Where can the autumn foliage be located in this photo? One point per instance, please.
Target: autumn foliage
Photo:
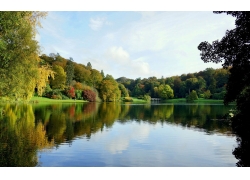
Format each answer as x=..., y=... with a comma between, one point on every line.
x=71, y=92
x=89, y=95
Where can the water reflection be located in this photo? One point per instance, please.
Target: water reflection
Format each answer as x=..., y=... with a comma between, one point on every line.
x=25, y=129
x=20, y=137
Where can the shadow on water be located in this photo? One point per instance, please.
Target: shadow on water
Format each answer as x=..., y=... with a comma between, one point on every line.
x=241, y=127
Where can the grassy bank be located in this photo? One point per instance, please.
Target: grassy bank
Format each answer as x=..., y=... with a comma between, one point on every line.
x=199, y=101
x=48, y=100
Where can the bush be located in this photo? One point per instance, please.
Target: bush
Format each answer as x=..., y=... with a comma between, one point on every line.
x=219, y=95
x=71, y=92
x=147, y=97
x=127, y=99
x=54, y=92
x=56, y=96
x=192, y=96
x=201, y=96
x=65, y=97
x=89, y=95
x=78, y=94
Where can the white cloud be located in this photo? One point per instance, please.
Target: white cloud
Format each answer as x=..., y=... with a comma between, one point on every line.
x=121, y=142
x=98, y=22
x=118, y=54
x=123, y=65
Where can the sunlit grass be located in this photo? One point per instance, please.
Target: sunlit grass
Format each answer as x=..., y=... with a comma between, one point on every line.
x=36, y=99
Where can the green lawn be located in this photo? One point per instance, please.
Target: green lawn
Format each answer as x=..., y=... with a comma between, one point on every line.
x=48, y=100
x=199, y=101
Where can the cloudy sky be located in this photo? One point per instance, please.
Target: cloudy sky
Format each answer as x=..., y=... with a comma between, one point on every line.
x=133, y=43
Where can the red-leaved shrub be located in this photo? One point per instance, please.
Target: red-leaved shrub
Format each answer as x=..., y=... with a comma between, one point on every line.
x=89, y=95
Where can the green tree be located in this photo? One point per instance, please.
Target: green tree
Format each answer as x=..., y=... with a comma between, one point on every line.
x=124, y=91
x=109, y=90
x=95, y=78
x=18, y=54
x=234, y=50
x=207, y=94
x=81, y=73
x=59, y=78
x=165, y=91
x=89, y=66
x=69, y=71
x=192, y=96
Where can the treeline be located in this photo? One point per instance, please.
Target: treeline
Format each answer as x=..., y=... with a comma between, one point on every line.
x=23, y=73
x=208, y=84
x=69, y=79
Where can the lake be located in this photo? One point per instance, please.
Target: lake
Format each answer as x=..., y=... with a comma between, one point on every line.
x=116, y=135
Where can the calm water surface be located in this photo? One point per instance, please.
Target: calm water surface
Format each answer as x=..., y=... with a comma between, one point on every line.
x=113, y=134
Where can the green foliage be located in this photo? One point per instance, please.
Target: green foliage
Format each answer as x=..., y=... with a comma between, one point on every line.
x=124, y=91
x=79, y=94
x=147, y=97
x=60, y=78
x=165, y=91
x=127, y=99
x=69, y=71
x=18, y=54
x=109, y=90
x=219, y=95
x=207, y=94
x=192, y=96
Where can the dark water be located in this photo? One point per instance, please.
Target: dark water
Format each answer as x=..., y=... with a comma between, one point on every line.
x=114, y=134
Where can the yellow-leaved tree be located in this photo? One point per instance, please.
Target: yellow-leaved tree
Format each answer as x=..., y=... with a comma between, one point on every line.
x=18, y=54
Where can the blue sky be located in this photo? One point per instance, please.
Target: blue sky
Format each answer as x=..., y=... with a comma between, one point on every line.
x=130, y=41
x=133, y=44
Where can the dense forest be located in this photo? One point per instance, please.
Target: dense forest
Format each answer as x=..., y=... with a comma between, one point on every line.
x=24, y=73
x=81, y=81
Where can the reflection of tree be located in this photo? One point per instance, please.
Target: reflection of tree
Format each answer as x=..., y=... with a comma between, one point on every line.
x=109, y=112
x=20, y=137
x=63, y=122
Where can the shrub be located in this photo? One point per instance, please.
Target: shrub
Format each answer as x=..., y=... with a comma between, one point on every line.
x=56, y=96
x=89, y=95
x=192, y=96
x=78, y=94
x=54, y=92
x=127, y=99
x=207, y=94
x=71, y=92
x=65, y=97
x=147, y=97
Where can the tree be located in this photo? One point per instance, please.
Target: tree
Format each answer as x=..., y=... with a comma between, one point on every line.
x=102, y=73
x=81, y=73
x=59, y=79
x=95, y=78
x=71, y=92
x=109, y=90
x=44, y=72
x=124, y=91
x=234, y=50
x=192, y=96
x=89, y=66
x=165, y=91
x=207, y=94
x=18, y=53
x=69, y=71
x=89, y=95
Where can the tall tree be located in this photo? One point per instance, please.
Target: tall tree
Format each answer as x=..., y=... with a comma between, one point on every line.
x=59, y=78
x=89, y=66
x=69, y=71
x=234, y=50
x=165, y=91
x=18, y=54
